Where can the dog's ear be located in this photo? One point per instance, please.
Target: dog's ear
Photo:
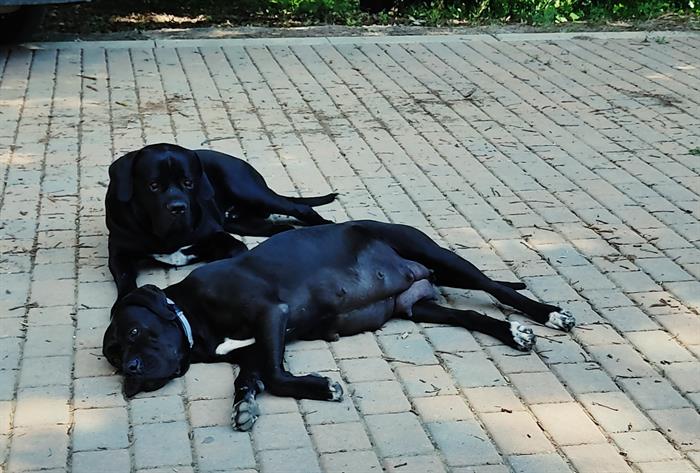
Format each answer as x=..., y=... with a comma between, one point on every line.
x=111, y=348
x=121, y=176
x=206, y=190
x=152, y=298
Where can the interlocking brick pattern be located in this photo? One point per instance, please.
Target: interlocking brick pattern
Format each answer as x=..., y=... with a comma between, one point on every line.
x=563, y=161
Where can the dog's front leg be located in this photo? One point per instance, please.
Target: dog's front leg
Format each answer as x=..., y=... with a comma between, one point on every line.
x=215, y=247
x=247, y=386
x=270, y=334
x=123, y=268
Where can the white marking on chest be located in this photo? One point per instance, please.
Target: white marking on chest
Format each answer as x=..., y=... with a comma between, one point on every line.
x=175, y=259
x=229, y=344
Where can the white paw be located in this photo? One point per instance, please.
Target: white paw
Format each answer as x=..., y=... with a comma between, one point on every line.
x=230, y=344
x=336, y=390
x=175, y=259
x=561, y=320
x=245, y=413
x=523, y=336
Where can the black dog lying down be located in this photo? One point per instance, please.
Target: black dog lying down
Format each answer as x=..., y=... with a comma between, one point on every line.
x=178, y=206
x=312, y=283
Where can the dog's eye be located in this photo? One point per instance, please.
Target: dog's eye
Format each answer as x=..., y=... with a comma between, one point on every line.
x=133, y=333
x=187, y=183
x=154, y=186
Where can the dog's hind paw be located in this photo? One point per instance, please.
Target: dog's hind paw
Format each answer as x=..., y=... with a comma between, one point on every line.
x=523, y=336
x=336, y=391
x=245, y=413
x=562, y=320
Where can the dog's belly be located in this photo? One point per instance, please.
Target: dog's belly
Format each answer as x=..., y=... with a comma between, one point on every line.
x=373, y=316
x=177, y=258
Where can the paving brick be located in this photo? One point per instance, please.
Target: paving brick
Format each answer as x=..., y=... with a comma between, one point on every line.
x=303, y=459
x=102, y=391
x=659, y=346
x=544, y=462
x=42, y=405
x=667, y=466
x=442, y=408
x=366, y=369
x=363, y=345
x=680, y=425
x=614, y=412
x=597, y=458
x=310, y=361
x=450, y=339
x=209, y=381
x=280, y=431
x=560, y=350
x=653, y=393
x=646, y=446
x=49, y=341
x=161, y=444
x=537, y=388
x=567, y=424
x=414, y=464
x=100, y=429
x=332, y=438
x=210, y=412
x=157, y=410
x=222, y=448
x=413, y=349
x=473, y=369
x=421, y=381
x=621, y=360
x=324, y=412
x=493, y=399
x=44, y=371
x=516, y=433
x=346, y=462
x=384, y=429
x=628, y=319
x=109, y=461
x=510, y=361
x=581, y=378
x=33, y=449
x=463, y=443
x=684, y=375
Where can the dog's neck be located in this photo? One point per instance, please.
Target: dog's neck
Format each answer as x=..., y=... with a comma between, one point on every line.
x=184, y=323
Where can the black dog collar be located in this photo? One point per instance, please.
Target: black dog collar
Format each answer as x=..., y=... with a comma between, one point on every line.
x=183, y=321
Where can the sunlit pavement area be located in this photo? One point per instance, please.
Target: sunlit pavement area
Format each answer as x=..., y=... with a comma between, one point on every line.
x=567, y=162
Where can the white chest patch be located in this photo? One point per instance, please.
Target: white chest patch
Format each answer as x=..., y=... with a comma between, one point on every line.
x=175, y=259
x=229, y=344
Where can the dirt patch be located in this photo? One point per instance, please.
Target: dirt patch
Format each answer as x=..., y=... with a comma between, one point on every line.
x=103, y=21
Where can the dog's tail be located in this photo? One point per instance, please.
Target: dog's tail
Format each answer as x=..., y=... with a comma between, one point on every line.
x=315, y=201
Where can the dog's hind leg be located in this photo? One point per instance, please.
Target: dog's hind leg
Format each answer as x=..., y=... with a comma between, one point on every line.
x=512, y=333
x=450, y=269
x=270, y=331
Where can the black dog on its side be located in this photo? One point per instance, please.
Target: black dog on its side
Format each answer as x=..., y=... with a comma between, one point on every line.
x=311, y=283
x=178, y=206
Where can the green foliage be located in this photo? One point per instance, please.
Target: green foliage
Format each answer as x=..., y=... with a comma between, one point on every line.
x=119, y=14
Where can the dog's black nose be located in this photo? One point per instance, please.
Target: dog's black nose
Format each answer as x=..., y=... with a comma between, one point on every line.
x=177, y=207
x=134, y=366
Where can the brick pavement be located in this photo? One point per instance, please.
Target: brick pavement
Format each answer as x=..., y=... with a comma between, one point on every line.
x=564, y=161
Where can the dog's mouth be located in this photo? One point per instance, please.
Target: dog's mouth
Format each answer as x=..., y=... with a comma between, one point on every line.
x=134, y=385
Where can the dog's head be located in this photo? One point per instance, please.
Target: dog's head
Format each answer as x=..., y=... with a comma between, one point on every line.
x=164, y=181
x=145, y=341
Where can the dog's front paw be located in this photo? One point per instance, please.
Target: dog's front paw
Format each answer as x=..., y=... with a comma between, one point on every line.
x=562, y=320
x=523, y=336
x=335, y=390
x=245, y=413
